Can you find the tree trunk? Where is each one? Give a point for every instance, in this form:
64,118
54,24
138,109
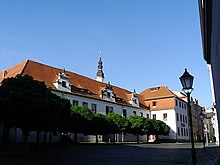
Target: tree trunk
96,139
114,138
26,141
45,137
50,137
137,138
38,139
15,137
75,137
147,138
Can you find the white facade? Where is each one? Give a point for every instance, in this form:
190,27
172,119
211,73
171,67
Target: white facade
176,119
102,104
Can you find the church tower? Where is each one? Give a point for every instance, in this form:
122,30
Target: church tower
100,74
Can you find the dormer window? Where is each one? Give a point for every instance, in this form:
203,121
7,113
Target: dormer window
108,94
134,99
63,83
154,103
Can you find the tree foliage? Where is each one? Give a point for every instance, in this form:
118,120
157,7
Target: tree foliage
28,104
118,123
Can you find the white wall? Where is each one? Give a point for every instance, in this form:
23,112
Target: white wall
173,123
101,105
184,124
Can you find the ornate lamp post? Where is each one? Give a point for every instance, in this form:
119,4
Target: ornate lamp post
187,82
202,117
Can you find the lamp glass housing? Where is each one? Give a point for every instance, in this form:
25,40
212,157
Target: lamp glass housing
187,81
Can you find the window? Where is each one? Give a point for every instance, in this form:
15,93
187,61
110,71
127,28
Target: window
180,118
165,116
154,104
179,104
185,106
63,83
177,116
186,119
154,116
108,94
135,101
125,113
176,103
147,115
186,132
181,131
141,114
134,113
75,102
93,107
109,109
84,104
178,131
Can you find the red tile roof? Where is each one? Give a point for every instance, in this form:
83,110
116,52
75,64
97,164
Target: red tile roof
49,74
165,98
162,96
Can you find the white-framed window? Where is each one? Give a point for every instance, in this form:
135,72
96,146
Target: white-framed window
63,83
154,116
141,114
165,116
75,102
84,104
93,107
154,103
124,113
109,109
134,113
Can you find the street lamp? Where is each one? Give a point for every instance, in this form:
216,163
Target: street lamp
187,82
202,117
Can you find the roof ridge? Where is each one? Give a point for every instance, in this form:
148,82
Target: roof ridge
26,63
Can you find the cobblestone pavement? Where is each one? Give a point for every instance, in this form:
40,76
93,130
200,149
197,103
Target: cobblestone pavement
108,154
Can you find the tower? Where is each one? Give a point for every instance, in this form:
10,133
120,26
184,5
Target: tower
100,74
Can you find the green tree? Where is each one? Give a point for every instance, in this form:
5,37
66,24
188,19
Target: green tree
28,104
120,123
100,125
84,119
158,127
139,125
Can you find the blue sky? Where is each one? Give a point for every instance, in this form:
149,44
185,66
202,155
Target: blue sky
144,43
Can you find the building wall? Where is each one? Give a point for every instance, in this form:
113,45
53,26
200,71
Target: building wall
170,121
215,55
177,120
182,123
101,105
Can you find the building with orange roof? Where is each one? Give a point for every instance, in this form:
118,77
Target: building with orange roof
170,108
80,90
157,102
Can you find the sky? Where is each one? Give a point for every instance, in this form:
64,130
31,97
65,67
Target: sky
144,43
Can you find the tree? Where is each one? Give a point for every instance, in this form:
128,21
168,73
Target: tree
28,104
100,125
117,123
83,120
139,125
120,122
158,127
77,121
